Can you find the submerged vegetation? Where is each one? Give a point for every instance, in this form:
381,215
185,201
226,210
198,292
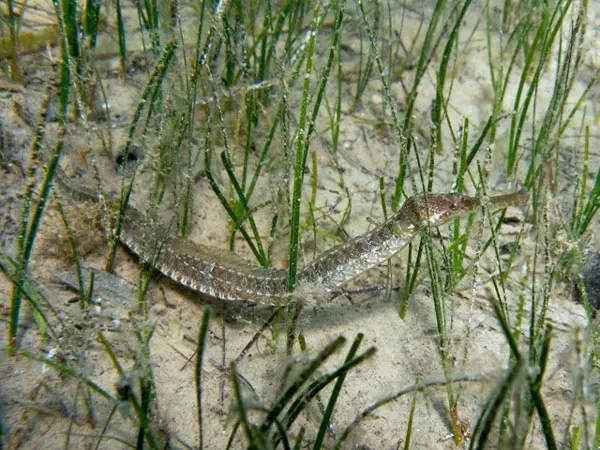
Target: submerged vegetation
268,106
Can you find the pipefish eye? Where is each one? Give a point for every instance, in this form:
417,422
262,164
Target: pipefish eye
441,208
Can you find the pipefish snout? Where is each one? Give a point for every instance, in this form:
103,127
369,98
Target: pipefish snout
218,274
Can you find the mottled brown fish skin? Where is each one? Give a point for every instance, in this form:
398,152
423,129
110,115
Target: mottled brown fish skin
212,272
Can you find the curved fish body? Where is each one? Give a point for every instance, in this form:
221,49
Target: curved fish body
215,273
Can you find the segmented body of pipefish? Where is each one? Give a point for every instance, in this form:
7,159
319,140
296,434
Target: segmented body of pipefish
215,273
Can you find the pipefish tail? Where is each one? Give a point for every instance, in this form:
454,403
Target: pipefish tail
215,273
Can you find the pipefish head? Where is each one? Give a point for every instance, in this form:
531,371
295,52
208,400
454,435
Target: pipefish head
438,209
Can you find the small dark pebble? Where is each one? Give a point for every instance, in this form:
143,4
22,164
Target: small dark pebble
124,390
128,160
591,281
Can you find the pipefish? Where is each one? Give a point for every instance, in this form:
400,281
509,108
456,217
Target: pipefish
216,273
